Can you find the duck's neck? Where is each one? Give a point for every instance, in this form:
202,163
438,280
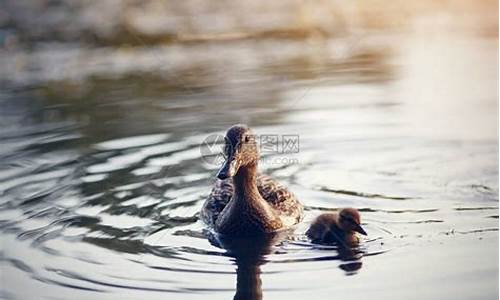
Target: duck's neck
245,183
247,212
248,199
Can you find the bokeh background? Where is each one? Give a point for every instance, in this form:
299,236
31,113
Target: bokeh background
104,105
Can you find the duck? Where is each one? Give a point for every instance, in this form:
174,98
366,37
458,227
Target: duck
244,202
341,228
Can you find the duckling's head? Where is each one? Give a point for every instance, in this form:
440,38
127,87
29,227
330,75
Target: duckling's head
240,150
349,220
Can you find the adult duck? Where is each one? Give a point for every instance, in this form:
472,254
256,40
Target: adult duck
243,202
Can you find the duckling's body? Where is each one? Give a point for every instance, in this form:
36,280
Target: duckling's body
244,202
338,227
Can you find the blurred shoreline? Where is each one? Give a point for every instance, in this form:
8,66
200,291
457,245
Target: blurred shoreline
139,23
76,42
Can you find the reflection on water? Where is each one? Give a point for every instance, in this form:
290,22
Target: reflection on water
101,176
249,256
251,253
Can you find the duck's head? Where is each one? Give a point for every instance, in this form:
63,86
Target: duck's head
240,150
349,220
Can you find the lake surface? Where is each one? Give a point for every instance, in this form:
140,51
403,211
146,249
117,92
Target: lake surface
102,176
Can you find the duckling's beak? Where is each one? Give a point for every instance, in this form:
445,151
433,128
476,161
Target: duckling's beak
228,170
360,229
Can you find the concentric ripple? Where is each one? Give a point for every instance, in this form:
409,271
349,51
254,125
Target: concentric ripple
100,199
95,224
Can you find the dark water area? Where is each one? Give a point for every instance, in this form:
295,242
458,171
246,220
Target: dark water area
102,176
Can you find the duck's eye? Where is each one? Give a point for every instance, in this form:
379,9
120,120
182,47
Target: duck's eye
249,139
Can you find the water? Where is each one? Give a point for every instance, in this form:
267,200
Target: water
102,177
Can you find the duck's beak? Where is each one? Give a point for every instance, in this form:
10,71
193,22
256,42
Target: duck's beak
360,229
228,170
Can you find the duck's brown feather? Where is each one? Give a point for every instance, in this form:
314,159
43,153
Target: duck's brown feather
279,198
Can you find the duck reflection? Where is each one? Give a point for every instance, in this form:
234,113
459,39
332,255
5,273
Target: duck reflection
249,255
351,258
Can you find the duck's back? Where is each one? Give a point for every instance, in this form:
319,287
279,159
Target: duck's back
277,195
218,199
323,228
281,199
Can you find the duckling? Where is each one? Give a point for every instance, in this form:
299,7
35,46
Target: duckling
338,227
244,202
